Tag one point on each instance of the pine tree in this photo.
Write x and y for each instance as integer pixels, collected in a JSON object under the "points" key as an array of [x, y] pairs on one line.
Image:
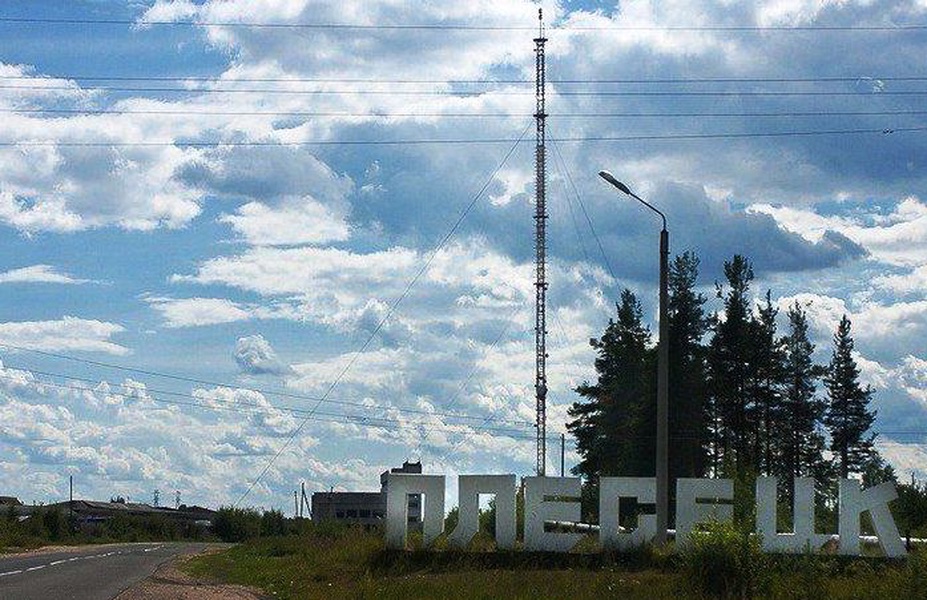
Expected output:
{"points": [[611, 424], [848, 417], [801, 438], [688, 425], [765, 358], [729, 371]]}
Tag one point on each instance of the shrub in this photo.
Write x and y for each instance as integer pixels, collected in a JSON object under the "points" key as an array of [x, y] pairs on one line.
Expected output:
{"points": [[273, 523], [236, 524], [723, 562]]}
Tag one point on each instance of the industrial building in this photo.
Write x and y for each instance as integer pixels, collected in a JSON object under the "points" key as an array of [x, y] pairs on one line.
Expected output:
{"points": [[365, 508]]}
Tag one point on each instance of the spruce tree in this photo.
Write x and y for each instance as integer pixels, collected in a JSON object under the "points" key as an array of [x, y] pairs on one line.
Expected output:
{"points": [[801, 437], [729, 371], [766, 359], [688, 324], [848, 417], [611, 423]]}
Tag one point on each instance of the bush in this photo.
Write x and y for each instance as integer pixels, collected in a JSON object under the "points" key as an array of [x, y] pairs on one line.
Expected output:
{"points": [[273, 523], [723, 562], [236, 524]]}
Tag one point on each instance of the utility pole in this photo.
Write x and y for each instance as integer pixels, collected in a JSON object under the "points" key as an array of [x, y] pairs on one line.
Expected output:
{"points": [[562, 452], [296, 506], [540, 247], [304, 501]]}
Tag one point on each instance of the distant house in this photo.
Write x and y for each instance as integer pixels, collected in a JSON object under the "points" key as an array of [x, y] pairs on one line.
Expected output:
{"points": [[365, 508], [91, 511]]}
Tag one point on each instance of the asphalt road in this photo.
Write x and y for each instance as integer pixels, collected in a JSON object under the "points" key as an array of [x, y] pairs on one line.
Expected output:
{"points": [[85, 573]]}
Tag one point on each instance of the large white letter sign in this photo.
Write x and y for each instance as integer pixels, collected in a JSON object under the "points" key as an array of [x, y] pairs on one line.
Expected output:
{"points": [[538, 510], [853, 502], [468, 517], [398, 488], [804, 537], [611, 491], [689, 511]]}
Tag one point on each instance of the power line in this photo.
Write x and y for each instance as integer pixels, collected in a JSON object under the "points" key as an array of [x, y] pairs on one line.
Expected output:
{"points": [[206, 382], [427, 263], [463, 27], [386, 114], [448, 415], [458, 141], [252, 408], [582, 205], [463, 93], [475, 81]]}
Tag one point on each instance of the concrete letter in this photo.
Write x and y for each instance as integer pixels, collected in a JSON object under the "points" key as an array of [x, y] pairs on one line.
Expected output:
{"points": [[468, 522], [803, 509], [398, 488], [689, 511], [538, 510], [611, 490], [853, 502]]}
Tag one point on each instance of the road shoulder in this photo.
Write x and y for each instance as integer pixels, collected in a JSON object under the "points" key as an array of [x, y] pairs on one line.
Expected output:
{"points": [[169, 581]]}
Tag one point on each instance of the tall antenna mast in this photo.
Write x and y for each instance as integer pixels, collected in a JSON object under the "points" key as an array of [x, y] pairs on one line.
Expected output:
{"points": [[540, 246]]}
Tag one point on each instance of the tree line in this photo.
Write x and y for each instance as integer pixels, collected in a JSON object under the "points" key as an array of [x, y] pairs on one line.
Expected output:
{"points": [[745, 399]]}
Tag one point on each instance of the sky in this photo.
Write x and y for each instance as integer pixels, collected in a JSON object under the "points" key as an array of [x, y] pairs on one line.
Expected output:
{"points": [[236, 258]]}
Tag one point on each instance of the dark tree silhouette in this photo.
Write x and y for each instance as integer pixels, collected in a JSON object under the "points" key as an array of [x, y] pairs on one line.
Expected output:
{"points": [[610, 422], [688, 324], [802, 440], [848, 417], [729, 371], [766, 371]]}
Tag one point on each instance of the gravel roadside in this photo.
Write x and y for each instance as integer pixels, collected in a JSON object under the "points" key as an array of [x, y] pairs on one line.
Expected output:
{"points": [[168, 581]]}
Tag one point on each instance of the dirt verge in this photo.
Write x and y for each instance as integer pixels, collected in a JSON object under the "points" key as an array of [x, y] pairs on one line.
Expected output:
{"points": [[168, 581]]}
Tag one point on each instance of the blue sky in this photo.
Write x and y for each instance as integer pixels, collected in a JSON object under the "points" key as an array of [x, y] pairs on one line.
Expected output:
{"points": [[254, 265]]}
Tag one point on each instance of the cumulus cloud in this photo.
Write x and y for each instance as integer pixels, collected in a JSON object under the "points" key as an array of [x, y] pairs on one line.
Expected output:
{"points": [[195, 312], [255, 356], [66, 334], [302, 221], [39, 274]]}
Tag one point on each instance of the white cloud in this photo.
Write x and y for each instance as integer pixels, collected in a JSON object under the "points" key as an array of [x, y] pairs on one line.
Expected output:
{"points": [[255, 356], [899, 238], [66, 334], [195, 312], [302, 221], [39, 274]]}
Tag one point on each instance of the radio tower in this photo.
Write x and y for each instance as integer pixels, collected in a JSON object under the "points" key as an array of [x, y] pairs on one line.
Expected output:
{"points": [[540, 246]]}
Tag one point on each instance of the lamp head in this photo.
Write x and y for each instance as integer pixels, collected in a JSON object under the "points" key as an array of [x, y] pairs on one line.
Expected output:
{"points": [[611, 179]]}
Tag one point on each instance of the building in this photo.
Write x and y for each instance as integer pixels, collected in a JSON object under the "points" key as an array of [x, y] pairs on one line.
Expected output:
{"points": [[365, 508]]}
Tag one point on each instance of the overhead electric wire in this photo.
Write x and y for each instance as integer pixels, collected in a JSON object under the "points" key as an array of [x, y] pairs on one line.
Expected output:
{"points": [[465, 93], [263, 391], [446, 415], [582, 205], [617, 27], [460, 141], [477, 81], [427, 263], [384, 114], [251, 408]]}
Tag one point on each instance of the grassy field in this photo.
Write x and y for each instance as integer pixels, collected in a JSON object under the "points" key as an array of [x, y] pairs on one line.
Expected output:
{"points": [[351, 563]]}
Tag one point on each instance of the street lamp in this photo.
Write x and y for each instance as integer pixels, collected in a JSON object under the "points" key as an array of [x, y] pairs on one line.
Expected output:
{"points": [[662, 368]]}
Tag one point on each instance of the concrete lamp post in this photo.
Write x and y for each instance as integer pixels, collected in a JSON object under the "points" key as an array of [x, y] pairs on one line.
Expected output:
{"points": [[662, 369]]}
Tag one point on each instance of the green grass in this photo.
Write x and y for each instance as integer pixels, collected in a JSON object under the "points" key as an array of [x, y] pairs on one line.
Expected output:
{"points": [[352, 563]]}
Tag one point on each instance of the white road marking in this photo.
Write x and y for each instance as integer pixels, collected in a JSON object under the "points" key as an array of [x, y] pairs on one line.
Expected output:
{"points": [[11, 573], [72, 559]]}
